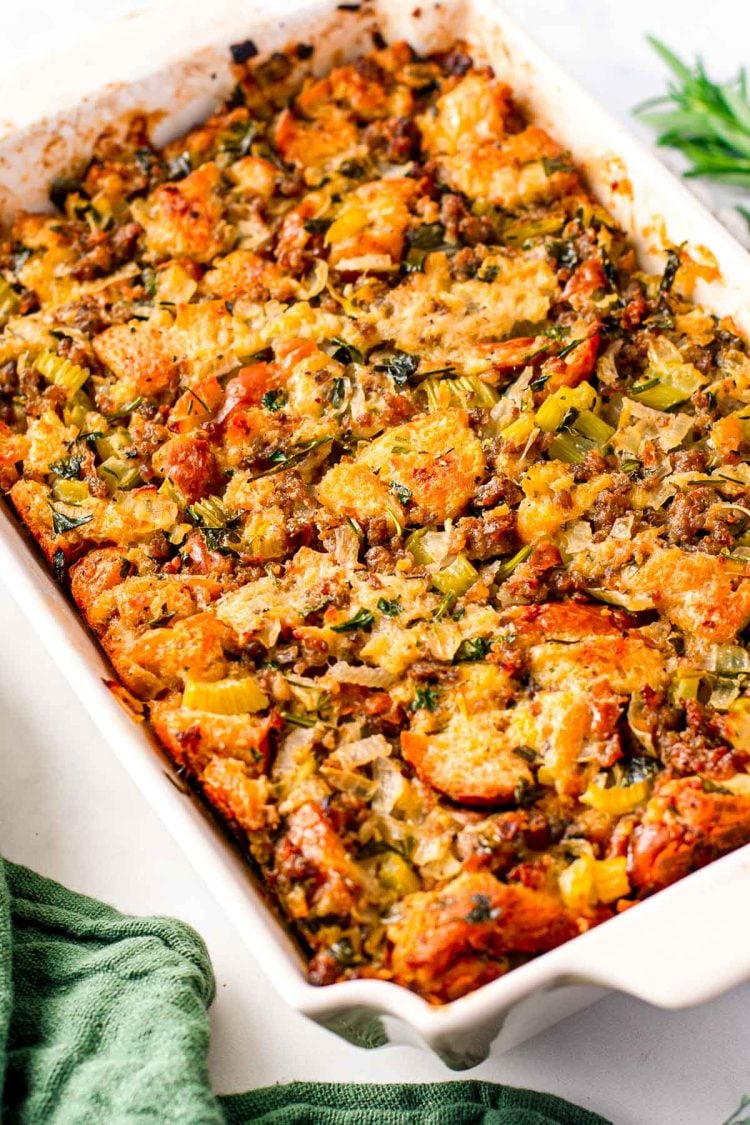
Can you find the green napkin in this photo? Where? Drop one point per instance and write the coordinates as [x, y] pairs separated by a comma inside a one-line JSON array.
[[103, 1020]]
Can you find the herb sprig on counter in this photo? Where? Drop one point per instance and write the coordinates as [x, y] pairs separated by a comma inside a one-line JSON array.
[[709, 122]]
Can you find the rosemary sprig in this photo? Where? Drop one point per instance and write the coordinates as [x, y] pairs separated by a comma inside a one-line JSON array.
[[707, 121]]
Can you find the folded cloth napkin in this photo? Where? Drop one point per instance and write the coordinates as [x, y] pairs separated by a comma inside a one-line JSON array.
[[103, 1019]]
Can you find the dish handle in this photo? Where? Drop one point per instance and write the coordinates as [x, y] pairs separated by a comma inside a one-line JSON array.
[[694, 947]]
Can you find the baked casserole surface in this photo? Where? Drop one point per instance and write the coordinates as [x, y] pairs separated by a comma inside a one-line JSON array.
[[412, 515]]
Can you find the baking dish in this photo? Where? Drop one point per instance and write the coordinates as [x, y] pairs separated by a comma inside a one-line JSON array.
[[625, 184]]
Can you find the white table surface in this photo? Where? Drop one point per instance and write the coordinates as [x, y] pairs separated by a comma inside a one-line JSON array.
[[69, 810]]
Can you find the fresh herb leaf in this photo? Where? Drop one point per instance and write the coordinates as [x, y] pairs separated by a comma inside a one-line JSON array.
[[317, 226], [526, 793], [179, 167], [282, 459], [62, 523], [273, 400], [430, 236], [526, 753], [559, 163], [67, 468], [298, 720], [670, 270], [472, 650], [124, 410], [401, 492], [337, 394], [401, 367], [346, 353], [362, 619], [425, 699], [390, 608], [238, 141], [708, 122], [563, 253], [58, 564], [481, 911]]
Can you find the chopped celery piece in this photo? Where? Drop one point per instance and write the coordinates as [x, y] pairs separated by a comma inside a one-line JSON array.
[[467, 390], [457, 578], [550, 415], [61, 372], [659, 396], [568, 447], [396, 874], [519, 431], [225, 697], [520, 230], [507, 568], [593, 427], [70, 491], [119, 473], [76, 409], [8, 301], [729, 660], [211, 512], [169, 489], [686, 686], [114, 444], [417, 548]]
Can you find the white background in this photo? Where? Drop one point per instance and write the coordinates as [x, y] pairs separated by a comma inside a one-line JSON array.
[[69, 810]]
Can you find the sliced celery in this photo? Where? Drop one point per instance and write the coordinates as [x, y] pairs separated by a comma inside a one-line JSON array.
[[119, 473], [457, 578], [70, 491], [550, 415], [659, 396], [114, 444], [61, 372], [8, 301], [568, 447], [510, 564], [593, 427], [225, 697]]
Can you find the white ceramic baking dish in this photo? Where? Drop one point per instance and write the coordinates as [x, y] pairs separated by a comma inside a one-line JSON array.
[[682, 947]]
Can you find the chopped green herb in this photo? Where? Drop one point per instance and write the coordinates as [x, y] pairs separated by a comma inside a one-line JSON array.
[[401, 492], [337, 394], [273, 400], [559, 163], [68, 468], [481, 911], [473, 650], [124, 410], [670, 271], [179, 167], [362, 619], [58, 564], [401, 367], [346, 353], [298, 720], [62, 523], [425, 699], [526, 793], [239, 139], [390, 609]]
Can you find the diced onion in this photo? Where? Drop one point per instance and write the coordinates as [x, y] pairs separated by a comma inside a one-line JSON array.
[[314, 283], [361, 674], [352, 755], [367, 263]]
